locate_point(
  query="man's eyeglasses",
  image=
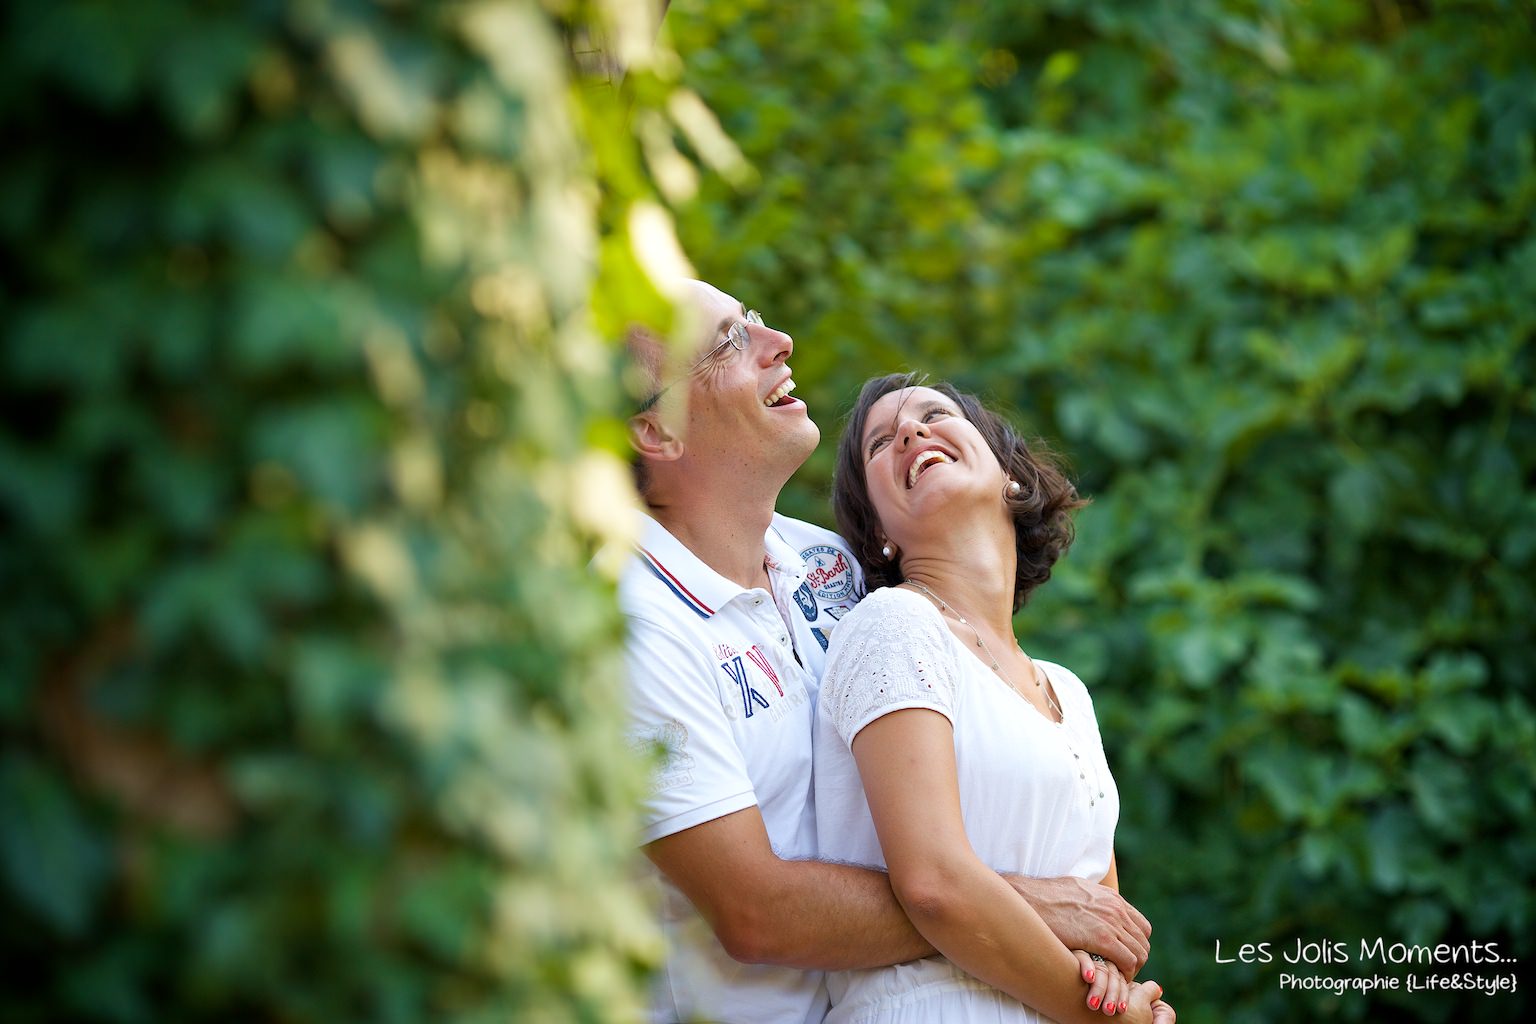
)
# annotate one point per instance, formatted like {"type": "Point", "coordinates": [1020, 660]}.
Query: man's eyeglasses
{"type": "Point", "coordinates": [736, 336]}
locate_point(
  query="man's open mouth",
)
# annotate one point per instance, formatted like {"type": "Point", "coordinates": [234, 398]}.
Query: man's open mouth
{"type": "Point", "coordinates": [779, 396]}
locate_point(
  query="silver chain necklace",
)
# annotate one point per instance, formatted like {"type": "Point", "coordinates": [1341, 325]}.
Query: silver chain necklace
{"type": "Point", "coordinates": [1049, 700]}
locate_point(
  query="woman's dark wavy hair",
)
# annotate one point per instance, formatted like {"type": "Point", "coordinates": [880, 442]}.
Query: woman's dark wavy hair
{"type": "Point", "coordinates": [1042, 513]}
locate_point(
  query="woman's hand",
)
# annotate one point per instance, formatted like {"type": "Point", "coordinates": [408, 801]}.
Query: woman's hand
{"type": "Point", "coordinates": [1108, 989]}
{"type": "Point", "coordinates": [1144, 1004]}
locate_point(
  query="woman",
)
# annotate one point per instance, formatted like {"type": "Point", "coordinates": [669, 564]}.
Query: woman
{"type": "Point", "coordinates": [944, 752]}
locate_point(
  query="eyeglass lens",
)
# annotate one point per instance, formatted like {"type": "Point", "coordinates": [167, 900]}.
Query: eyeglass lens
{"type": "Point", "coordinates": [737, 335]}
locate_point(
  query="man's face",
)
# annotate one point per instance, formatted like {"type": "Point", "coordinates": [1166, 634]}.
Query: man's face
{"type": "Point", "coordinates": [740, 412]}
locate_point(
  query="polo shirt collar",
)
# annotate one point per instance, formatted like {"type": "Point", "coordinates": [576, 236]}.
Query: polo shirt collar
{"type": "Point", "coordinates": [782, 556]}
{"type": "Point", "coordinates": [693, 582]}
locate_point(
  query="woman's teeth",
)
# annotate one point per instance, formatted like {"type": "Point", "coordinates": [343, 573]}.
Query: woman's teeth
{"type": "Point", "coordinates": [779, 393]}
{"type": "Point", "coordinates": [922, 462]}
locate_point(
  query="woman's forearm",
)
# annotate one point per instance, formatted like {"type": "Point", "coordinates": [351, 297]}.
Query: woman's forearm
{"type": "Point", "coordinates": [981, 925]}
{"type": "Point", "coordinates": [970, 913]}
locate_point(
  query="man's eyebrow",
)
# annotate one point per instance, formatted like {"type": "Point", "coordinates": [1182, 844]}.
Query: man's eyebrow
{"type": "Point", "coordinates": [729, 319]}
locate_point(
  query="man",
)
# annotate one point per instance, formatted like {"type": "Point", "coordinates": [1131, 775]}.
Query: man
{"type": "Point", "coordinates": [730, 607]}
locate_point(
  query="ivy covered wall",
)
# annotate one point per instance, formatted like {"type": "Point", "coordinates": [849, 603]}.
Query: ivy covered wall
{"type": "Point", "coordinates": [1266, 272]}
{"type": "Point", "coordinates": [308, 434]}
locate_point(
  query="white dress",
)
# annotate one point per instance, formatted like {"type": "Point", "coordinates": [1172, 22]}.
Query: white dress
{"type": "Point", "coordinates": [1036, 796]}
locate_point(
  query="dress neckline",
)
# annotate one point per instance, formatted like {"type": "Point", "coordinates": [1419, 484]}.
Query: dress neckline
{"type": "Point", "coordinates": [998, 680]}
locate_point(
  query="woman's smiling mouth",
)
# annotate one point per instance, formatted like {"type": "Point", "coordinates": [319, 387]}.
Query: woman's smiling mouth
{"type": "Point", "coordinates": [925, 459]}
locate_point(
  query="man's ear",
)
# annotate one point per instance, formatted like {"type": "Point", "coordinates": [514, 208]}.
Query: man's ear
{"type": "Point", "coordinates": [651, 438]}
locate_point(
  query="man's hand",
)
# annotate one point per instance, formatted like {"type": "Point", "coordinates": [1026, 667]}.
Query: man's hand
{"type": "Point", "coordinates": [1087, 915]}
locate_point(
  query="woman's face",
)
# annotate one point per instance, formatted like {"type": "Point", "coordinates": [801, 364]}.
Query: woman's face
{"type": "Point", "coordinates": [925, 463]}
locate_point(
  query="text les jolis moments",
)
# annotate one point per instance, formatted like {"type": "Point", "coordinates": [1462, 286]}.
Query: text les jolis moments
{"type": "Point", "coordinates": [1377, 950]}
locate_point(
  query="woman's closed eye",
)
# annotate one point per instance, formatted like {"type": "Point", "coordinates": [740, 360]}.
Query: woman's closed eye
{"type": "Point", "coordinates": [876, 443]}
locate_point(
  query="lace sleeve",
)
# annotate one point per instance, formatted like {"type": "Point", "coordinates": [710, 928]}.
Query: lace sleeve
{"type": "Point", "coordinates": [889, 654]}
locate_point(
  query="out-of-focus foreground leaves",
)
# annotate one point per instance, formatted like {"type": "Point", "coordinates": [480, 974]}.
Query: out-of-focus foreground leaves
{"type": "Point", "coordinates": [310, 700]}
{"type": "Point", "coordinates": [1267, 273]}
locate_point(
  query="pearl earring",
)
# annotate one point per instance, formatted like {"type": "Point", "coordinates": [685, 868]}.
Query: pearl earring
{"type": "Point", "coordinates": [1013, 489]}
{"type": "Point", "coordinates": [885, 550]}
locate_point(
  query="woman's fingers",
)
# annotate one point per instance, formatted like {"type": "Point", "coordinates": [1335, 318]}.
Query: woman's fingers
{"type": "Point", "coordinates": [1085, 965]}
{"type": "Point", "coordinates": [1145, 993]}
{"type": "Point", "coordinates": [1115, 993]}
{"type": "Point", "coordinates": [1097, 975]}
{"type": "Point", "coordinates": [1108, 989]}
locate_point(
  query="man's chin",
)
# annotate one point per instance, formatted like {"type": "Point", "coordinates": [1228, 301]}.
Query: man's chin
{"type": "Point", "coordinates": [801, 443]}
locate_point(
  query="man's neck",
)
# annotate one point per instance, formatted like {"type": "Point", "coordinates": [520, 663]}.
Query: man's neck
{"type": "Point", "coordinates": [726, 536]}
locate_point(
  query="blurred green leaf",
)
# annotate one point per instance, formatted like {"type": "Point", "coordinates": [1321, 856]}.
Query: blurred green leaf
{"type": "Point", "coordinates": [55, 864]}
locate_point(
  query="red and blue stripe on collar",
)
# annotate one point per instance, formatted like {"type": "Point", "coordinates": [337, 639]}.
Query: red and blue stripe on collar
{"type": "Point", "coordinates": [674, 584]}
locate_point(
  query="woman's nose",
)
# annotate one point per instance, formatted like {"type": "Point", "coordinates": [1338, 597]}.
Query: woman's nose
{"type": "Point", "coordinates": [912, 429]}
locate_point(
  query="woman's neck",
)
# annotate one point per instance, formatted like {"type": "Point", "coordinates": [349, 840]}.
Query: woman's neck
{"type": "Point", "coordinates": [973, 573]}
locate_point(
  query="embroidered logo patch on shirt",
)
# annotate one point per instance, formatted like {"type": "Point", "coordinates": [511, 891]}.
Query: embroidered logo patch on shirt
{"type": "Point", "coordinates": [828, 573]}
{"type": "Point", "coordinates": [676, 767]}
{"type": "Point", "coordinates": [806, 602]}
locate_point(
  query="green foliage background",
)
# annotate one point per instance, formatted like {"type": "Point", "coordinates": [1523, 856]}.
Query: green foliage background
{"type": "Point", "coordinates": [1266, 272]}
{"type": "Point", "coordinates": [307, 436]}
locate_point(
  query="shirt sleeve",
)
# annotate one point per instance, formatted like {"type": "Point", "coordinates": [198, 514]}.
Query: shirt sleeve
{"type": "Point", "coordinates": [890, 654]}
{"type": "Point", "coordinates": [674, 703]}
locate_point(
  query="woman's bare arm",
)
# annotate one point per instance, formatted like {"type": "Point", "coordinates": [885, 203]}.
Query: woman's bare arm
{"type": "Point", "coordinates": [907, 764]}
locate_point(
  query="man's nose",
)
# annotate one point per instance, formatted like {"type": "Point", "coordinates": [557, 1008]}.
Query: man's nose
{"type": "Point", "coordinates": [774, 346]}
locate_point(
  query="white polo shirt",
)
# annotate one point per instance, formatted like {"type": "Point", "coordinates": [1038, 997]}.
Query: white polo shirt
{"type": "Point", "coordinates": [726, 680]}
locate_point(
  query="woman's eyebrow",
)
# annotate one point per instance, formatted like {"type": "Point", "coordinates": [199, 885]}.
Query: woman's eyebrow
{"type": "Point", "coordinates": [922, 410]}
{"type": "Point", "coordinates": [870, 432]}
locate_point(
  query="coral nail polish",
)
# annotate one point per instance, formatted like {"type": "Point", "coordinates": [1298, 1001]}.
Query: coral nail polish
{"type": "Point", "coordinates": [1093, 1004]}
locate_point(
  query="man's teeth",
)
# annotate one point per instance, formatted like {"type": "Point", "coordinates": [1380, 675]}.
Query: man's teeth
{"type": "Point", "coordinates": [779, 392]}
{"type": "Point", "coordinates": [923, 461]}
